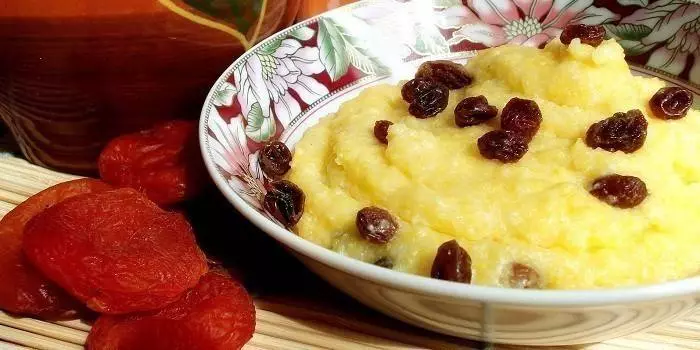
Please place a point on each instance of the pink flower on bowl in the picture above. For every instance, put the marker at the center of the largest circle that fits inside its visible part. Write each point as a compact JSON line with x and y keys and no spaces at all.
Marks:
{"x":524,"y":22}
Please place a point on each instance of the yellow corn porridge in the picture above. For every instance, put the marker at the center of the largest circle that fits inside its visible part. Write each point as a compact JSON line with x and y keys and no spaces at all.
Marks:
{"x":537,"y":211}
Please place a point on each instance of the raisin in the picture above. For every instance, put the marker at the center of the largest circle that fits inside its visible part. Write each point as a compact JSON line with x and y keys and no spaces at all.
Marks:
{"x":285,"y":201}
{"x":619,"y":190}
{"x":381,"y":130}
{"x":385,"y":262}
{"x":522,"y":276}
{"x":274,"y":159}
{"x":588,"y":34}
{"x":503,"y":145}
{"x":522,"y":116}
{"x":671,"y":102}
{"x":376,"y":225}
{"x":452,"y":263}
{"x":622,"y":132}
{"x":448,"y":73}
{"x":474,"y":110}
{"x":217,"y":314}
{"x":425,"y":96}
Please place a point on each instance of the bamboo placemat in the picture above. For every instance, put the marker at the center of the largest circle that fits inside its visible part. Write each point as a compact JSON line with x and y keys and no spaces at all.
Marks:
{"x":289,"y":313}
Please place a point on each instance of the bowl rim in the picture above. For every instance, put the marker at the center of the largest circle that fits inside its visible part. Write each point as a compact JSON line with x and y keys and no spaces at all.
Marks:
{"x":421,"y":285}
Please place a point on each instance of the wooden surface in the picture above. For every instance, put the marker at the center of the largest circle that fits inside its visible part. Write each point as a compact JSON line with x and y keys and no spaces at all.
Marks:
{"x":295,"y":310}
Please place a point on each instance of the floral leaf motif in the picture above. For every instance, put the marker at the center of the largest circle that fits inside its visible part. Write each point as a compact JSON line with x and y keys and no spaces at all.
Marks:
{"x":641,"y":3}
{"x":628,"y":31}
{"x":332,"y":47}
{"x":634,"y":48}
{"x":302,"y":33}
{"x":223,"y":96}
{"x":271,"y":47}
{"x":441,"y":4}
{"x":339,"y":49}
{"x":429,"y":40}
{"x":258,"y":127}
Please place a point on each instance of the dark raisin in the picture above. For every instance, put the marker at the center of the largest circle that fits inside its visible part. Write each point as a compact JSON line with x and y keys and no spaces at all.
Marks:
{"x":522,"y":116}
{"x":452,"y":263}
{"x":285,"y":201}
{"x":385,"y":262}
{"x":588,"y":34}
{"x":619,"y":190}
{"x":624,"y":132}
{"x":426,"y":97}
{"x":381,"y":130}
{"x":474,"y":110}
{"x":274,"y":159}
{"x":522,"y":276}
{"x":671,"y":103}
{"x":417,"y":86}
{"x":450,"y":74}
{"x":376,"y":225}
{"x":503,"y":145}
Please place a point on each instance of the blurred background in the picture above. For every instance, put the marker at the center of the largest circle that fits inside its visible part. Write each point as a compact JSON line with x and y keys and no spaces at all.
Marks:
{"x":76,"y":73}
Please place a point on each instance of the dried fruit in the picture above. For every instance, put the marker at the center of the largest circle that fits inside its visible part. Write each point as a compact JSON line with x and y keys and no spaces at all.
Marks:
{"x":163,"y":162}
{"x":448,"y":73}
{"x":522,"y":276}
{"x":622,"y":132}
{"x":275,"y":158}
{"x":588,"y":34}
{"x":216,"y":314}
{"x":521,"y":116}
{"x":116,"y":251}
{"x":24,"y":290}
{"x":671,"y":102}
{"x":285,"y":201}
{"x":474,"y":110}
{"x":425,"y":96}
{"x":385,"y":262}
{"x":619,"y":190}
{"x":381,"y":130}
{"x":452,"y":263}
{"x":376,"y":225}
{"x":503,"y":145}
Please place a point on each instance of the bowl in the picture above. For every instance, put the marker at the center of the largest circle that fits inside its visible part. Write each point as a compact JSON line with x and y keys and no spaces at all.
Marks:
{"x":288,"y":82}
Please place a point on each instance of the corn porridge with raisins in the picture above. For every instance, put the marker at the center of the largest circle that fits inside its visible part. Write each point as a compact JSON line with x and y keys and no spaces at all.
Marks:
{"x":542,"y":209}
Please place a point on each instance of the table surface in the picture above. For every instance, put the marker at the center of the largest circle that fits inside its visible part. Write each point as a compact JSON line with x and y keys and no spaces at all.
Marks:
{"x":295,"y":309}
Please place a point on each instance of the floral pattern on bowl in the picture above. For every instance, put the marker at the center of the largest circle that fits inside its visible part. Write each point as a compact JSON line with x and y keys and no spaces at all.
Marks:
{"x":279,"y":81}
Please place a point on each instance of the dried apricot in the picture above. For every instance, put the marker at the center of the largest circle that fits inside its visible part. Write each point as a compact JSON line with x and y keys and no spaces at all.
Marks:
{"x":163,"y":162}
{"x":448,"y":73}
{"x":216,"y":314}
{"x":116,"y":251}
{"x":24,"y":290}
{"x":452,"y":263}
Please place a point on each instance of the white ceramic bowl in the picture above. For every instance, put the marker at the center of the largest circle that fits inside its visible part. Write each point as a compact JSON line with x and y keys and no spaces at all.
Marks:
{"x":285,"y":84}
